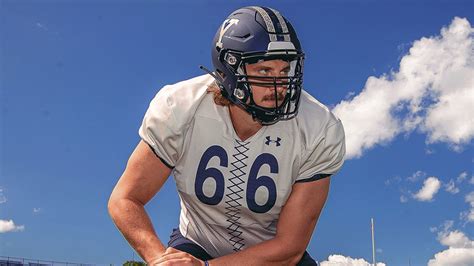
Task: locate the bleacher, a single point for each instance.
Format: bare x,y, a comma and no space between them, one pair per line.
13,261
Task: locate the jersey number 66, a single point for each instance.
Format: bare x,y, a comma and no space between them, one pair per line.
253,181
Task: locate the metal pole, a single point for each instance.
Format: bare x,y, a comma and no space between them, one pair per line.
373,241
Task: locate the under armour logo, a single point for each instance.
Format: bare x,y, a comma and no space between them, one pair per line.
269,140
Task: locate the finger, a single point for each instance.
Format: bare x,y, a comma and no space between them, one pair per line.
175,261
172,256
172,250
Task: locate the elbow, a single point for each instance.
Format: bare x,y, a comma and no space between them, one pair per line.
119,205
112,206
290,259
296,257
115,204
291,256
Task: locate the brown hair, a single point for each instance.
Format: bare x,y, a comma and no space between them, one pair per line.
219,99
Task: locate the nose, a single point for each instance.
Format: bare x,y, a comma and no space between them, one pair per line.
280,88
277,84
280,83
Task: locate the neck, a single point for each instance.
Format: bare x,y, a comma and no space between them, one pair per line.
243,123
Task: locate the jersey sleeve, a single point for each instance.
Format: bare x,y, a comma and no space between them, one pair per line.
324,157
159,129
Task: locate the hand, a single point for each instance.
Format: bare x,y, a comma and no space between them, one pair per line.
173,256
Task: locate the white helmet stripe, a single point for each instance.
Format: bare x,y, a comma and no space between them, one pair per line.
282,22
268,22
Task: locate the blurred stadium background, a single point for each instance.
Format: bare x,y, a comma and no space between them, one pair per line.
15,261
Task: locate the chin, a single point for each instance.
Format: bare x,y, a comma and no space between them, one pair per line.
267,105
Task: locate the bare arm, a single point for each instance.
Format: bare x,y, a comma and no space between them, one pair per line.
294,229
143,177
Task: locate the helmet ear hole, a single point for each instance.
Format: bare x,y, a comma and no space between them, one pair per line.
241,94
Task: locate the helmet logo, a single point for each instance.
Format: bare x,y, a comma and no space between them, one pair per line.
225,26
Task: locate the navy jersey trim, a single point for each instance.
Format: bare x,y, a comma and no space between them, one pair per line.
161,159
313,178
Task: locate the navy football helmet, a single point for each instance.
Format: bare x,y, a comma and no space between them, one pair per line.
250,35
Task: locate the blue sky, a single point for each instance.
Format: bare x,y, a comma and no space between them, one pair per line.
76,79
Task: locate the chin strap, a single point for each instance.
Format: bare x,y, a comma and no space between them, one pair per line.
216,77
220,81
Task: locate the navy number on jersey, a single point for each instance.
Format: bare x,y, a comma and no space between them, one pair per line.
254,181
203,173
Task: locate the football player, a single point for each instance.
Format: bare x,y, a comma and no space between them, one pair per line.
250,151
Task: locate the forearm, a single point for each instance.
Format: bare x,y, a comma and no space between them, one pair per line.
271,252
133,222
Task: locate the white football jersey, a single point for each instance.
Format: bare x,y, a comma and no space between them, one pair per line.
232,191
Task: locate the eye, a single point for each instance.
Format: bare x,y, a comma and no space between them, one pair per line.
285,72
263,71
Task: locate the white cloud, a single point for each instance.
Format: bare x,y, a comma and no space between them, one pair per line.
447,225
405,183
10,226
432,92
45,28
461,177
36,210
468,216
3,199
393,180
340,260
464,216
430,187
460,250
451,187
455,239
39,25
470,198
350,95
429,151
453,257
416,176
403,199
471,181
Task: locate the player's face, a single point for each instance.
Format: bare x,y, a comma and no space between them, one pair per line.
264,95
